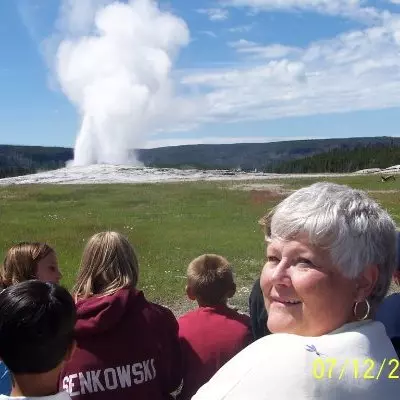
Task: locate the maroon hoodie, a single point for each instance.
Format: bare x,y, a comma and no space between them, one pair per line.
210,337
127,348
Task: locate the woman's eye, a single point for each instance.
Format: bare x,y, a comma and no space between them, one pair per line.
272,259
305,262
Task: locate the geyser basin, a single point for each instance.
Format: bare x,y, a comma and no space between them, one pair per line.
127,174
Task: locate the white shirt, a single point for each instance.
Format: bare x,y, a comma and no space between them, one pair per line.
280,367
58,396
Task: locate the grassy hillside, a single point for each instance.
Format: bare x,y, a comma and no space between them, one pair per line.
169,224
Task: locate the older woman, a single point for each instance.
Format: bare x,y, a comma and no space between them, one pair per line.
330,257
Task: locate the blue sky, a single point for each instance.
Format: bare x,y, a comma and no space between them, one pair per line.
253,70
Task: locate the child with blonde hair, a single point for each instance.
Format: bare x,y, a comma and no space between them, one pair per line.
127,347
212,333
29,260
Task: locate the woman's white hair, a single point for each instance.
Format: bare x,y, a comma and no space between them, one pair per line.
355,229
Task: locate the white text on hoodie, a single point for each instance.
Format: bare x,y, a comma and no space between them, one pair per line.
100,380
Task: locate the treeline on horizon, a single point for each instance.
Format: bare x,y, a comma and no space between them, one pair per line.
22,160
342,160
339,160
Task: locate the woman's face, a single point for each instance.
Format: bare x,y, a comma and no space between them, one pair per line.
303,291
47,269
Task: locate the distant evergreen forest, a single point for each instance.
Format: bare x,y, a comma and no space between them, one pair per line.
306,156
342,160
23,160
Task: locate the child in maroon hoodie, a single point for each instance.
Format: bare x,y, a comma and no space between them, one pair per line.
127,347
213,333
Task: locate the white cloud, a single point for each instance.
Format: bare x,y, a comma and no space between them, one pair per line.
349,8
358,70
215,14
209,33
273,51
77,16
275,72
242,28
300,4
242,43
29,14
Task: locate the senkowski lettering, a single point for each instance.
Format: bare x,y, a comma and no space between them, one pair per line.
101,380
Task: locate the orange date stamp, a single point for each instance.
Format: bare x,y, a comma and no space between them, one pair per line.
332,368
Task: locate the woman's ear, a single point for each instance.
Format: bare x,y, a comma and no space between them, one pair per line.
366,282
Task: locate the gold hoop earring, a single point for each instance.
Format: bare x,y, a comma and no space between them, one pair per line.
367,312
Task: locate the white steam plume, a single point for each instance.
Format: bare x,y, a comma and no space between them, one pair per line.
114,63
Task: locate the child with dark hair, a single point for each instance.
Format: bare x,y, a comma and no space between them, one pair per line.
37,322
212,333
26,261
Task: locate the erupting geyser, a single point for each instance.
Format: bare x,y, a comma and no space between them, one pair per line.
115,67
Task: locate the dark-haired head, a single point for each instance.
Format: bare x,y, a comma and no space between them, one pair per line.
36,326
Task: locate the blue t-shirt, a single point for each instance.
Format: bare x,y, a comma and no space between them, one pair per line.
5,380
389,314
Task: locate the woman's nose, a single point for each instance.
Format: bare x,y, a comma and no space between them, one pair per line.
280,273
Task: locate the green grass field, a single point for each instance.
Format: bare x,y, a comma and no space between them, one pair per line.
169,224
